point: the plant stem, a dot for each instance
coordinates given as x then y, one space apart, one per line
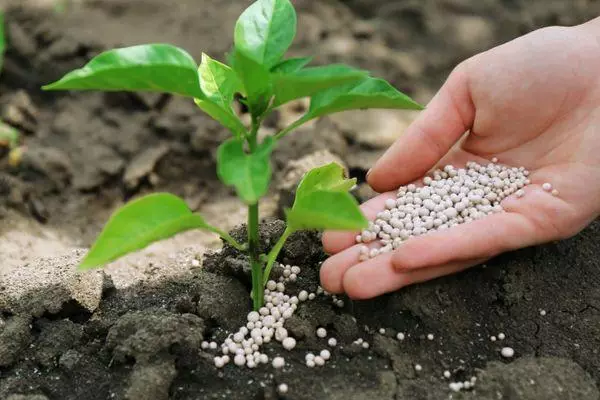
253 237
257 271
275 252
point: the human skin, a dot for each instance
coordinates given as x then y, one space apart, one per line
532 102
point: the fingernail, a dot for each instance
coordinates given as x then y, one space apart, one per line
369 173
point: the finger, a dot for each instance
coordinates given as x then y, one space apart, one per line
336 241
333 269
378 276
447 117
483 238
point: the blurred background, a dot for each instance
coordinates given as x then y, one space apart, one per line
80 155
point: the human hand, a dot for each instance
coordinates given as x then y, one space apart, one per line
532 102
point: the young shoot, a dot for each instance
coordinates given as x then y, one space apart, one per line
264 79
9 136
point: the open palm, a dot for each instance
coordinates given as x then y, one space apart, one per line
532 102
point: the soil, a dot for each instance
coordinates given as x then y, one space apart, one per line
134 332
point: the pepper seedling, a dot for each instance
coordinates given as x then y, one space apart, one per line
263 79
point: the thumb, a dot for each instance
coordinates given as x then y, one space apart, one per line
447 117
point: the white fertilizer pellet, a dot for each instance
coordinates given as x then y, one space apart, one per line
289 343
282 388
449 197
418 368
430 336
264 326
507 352
547 187
321 332
501 336
278 362
400 336
320 361
447 374
332 342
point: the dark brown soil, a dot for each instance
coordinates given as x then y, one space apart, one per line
143 342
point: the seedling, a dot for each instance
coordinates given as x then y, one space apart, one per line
265 80
9 136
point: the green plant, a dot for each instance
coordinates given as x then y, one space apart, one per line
9 136
265 80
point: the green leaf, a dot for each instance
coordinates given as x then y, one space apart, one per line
323 209
323 202
265 31
150 67
9 136
369 93
2 39
330 177
219 83
291 65
139 223
307 82
250 174
256 80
